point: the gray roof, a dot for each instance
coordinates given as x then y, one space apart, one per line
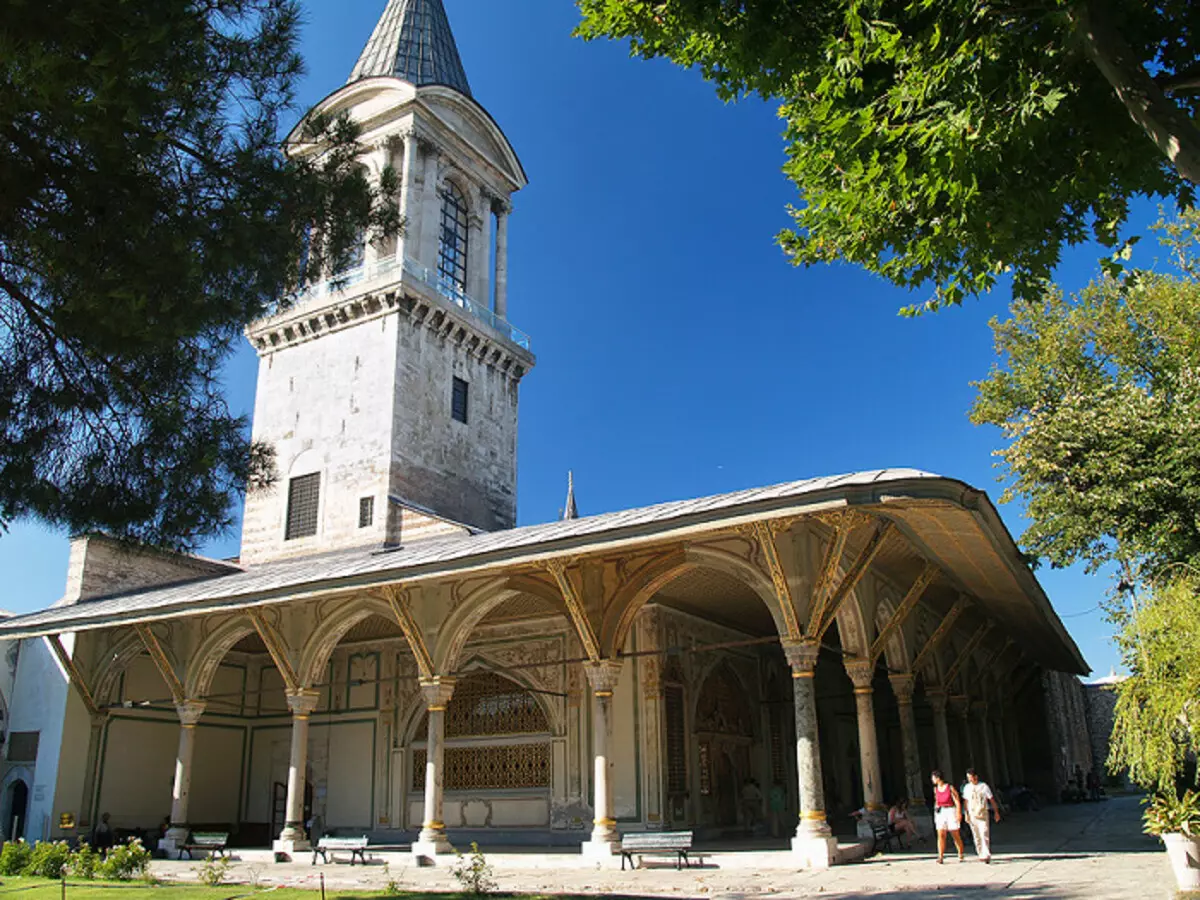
970 540
413 41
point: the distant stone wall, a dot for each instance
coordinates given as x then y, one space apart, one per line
1068 726
100 566
1101 700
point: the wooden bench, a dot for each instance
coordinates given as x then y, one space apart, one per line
657 843
212 841
355 846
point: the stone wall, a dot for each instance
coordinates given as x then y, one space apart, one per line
1067 725
100 566
1101 702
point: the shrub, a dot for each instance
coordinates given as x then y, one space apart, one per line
125 860
84 862
14 857
1168 813
48 859
212 871
473 873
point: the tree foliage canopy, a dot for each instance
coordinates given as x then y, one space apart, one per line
950 141
1099 398
147 214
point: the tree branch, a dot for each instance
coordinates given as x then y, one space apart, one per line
1171 129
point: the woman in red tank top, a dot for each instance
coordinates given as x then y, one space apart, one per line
947 814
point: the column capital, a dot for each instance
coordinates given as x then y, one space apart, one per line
903 685
937 699
801 656
861 672
303 702
980 708
501 207
190 712
604 675
437 691
960 704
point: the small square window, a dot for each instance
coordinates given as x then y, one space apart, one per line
366 512
304 494
458 400
23 746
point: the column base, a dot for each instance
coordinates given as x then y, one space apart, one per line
429 845
922 818
292 846
815 851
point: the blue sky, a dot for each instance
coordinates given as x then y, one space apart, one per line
679 354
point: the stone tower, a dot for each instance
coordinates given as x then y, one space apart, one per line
391 401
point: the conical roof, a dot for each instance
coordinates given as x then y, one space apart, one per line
413 41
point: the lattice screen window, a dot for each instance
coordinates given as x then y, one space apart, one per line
705 771
489 768
452 247
23 746
486 704
676 740
366 512
458 400
304 495
778 745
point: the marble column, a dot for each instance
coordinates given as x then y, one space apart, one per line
603 677
432 841
999 743
902 687
189 712
408 244
862 673
430 212
961 707
814 843
501 210
941 734
1016 761
986 766
294 837
479 252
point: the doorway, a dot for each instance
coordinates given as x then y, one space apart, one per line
18 801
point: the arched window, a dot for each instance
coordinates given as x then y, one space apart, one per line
452 245
492 730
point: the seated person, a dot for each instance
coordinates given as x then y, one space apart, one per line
900 824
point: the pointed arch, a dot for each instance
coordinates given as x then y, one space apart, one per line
326 636
895 650
208 656
931 672
653 577
852 630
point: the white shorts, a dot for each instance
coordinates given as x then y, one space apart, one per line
945 819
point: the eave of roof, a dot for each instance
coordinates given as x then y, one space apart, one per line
347 571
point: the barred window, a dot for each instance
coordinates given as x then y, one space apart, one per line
304 494
452 244
489 768
705 771
676 740
458 400
366 512
23 746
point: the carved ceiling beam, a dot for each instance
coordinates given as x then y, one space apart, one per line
765 535
854 575
939 634
77 679
968 648
154 648
991 657
575 609
1024 678
397 600
904 610
277 648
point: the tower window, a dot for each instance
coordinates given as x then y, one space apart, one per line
452 245
366 512
458 400
304 494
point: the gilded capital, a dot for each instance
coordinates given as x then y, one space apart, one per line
903 684
190 711
861 672
937 699
801 655
437 691
603 675
303 702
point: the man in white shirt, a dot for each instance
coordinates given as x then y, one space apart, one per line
977 796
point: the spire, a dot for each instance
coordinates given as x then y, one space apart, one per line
570 511
413 41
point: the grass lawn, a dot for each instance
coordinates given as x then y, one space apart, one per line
43 889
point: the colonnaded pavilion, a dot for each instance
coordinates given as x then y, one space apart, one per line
390 656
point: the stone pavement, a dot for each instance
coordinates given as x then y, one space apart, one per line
1084 852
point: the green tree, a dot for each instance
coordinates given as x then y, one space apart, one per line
1098 396
948 142
147 214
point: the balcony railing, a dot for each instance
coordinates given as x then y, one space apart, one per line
441 284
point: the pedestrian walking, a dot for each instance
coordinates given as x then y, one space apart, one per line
978 796
947 814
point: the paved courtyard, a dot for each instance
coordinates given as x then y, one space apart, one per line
1085 852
